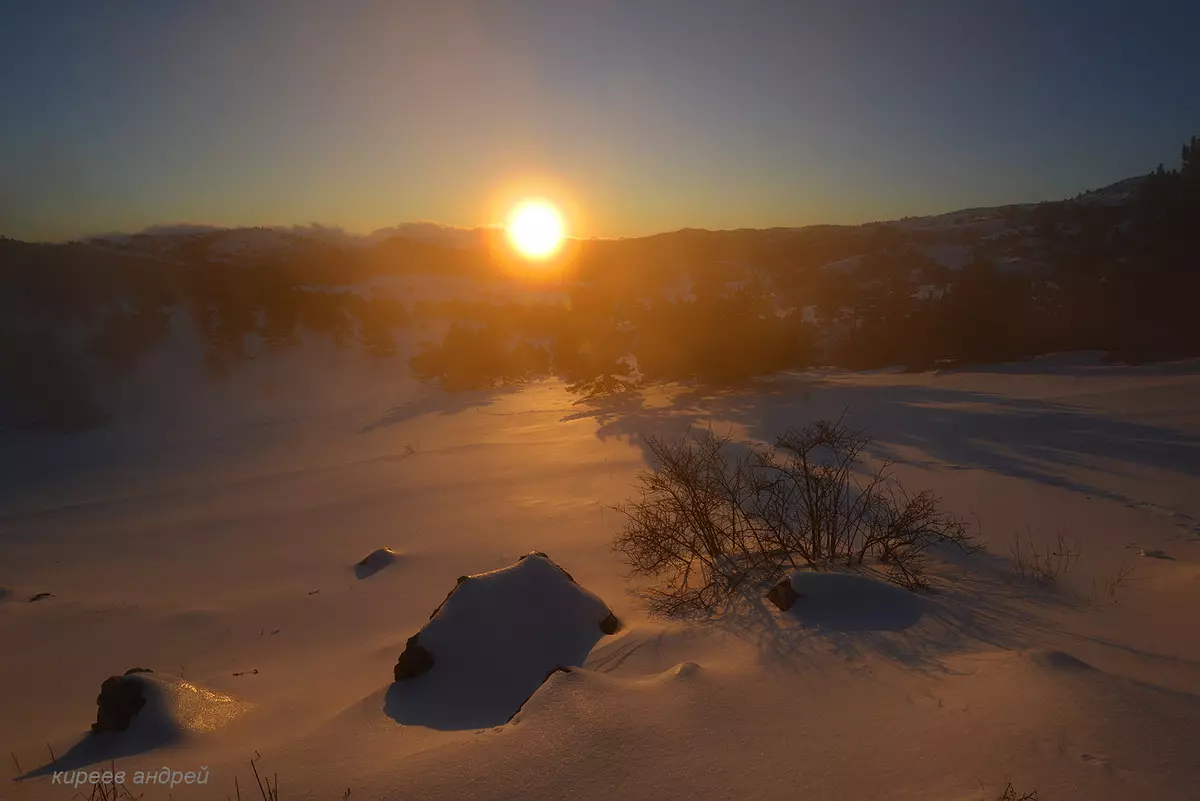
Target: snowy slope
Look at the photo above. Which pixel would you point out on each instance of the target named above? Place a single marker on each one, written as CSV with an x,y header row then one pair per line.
x,y
222,559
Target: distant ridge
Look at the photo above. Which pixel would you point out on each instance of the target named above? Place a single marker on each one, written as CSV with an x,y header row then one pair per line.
x,y
468,238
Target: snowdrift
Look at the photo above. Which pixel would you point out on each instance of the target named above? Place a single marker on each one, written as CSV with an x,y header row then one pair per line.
x,y
143,710
567,692
850,602
492,642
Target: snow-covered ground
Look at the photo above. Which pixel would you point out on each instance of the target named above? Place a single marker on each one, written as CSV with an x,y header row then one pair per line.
x,y
216,542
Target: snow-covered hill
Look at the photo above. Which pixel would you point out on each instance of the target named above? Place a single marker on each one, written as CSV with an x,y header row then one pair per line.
x,y
939,232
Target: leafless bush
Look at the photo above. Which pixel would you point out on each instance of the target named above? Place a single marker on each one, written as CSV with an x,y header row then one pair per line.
x,y
706,519
1044,562
267,790
111,792
1109,587
820,510
1010,794
692,524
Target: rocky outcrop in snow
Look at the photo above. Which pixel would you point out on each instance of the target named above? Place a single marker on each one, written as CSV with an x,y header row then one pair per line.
x,y
373,562
119,700
493,641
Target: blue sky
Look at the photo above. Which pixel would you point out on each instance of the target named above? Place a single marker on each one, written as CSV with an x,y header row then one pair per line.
x,y
636,116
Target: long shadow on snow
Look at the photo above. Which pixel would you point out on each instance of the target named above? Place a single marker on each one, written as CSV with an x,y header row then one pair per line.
x,y
854,616
1081,364
475,695
1020,438
102,747
439,402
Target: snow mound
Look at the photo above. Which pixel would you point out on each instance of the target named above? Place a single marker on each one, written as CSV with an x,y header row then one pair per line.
x,y
1057,660
565,689
1041,665
492,642
683,670
851,602
373,562
173,709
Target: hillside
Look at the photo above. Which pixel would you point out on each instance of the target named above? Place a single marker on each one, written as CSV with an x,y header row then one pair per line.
x,y
978,285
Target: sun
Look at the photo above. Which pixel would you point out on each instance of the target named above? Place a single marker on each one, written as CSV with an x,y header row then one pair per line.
x,y
536,229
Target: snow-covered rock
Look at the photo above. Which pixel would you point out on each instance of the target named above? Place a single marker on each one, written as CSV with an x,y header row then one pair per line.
x,y
492,642
156,708
375,561
852,602
140,711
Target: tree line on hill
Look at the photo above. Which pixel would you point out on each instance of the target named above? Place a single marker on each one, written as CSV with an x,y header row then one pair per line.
x,y
1111,274
1087,273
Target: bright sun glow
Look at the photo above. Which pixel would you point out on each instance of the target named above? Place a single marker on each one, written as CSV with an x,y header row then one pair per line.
x,y
535,229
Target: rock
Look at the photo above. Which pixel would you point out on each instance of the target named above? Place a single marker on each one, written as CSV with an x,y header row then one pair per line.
x,y
1155,553
783,594
41,596
610,624
414,661
119,700
373,562
533,601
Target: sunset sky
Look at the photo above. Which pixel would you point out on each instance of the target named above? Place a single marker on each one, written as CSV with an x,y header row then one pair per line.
x,y
638,117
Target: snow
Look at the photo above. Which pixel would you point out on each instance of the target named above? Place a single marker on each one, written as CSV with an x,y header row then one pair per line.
x,y
174,711
214,540
952,257
849,602
373,562
494,640
846,265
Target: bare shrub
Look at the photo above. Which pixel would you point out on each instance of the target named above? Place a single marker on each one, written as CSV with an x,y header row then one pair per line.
x,y
111,791
1010,794
692,524
1044,562
706,519
268,790
1109,587
819,509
